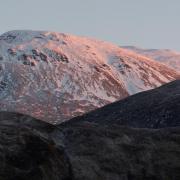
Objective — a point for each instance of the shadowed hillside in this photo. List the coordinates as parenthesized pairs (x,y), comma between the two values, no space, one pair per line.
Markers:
(151,109)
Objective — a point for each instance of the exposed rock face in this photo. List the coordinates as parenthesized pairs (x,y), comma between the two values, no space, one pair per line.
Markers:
(54,76)
(156,108)
(33,150)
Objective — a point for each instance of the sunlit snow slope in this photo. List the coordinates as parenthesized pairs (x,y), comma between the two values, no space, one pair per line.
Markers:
(169,57)
(55,76)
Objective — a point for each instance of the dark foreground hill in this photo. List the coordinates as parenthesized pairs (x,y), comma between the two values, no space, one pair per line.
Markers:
(34,150)
(156,108)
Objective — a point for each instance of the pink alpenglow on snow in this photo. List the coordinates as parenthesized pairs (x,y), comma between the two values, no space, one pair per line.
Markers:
(56,76)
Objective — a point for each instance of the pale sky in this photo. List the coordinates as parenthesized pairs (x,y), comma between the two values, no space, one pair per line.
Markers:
(143,23)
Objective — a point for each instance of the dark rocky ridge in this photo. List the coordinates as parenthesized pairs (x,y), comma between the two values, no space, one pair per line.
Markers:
(34,150)
(156,108)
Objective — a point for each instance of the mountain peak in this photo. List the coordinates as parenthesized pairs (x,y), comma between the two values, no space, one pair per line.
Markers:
(53,75)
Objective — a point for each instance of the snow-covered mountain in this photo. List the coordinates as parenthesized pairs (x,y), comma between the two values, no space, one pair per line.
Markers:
(55,76)
(166,56)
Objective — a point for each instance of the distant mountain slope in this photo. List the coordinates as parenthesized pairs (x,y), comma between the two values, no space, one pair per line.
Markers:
(34,150)
(155,108)
(166,56)
(55,76)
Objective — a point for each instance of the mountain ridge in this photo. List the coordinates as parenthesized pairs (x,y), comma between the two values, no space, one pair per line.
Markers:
(31,149)
(169,57)
(157,108)
(58,76)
